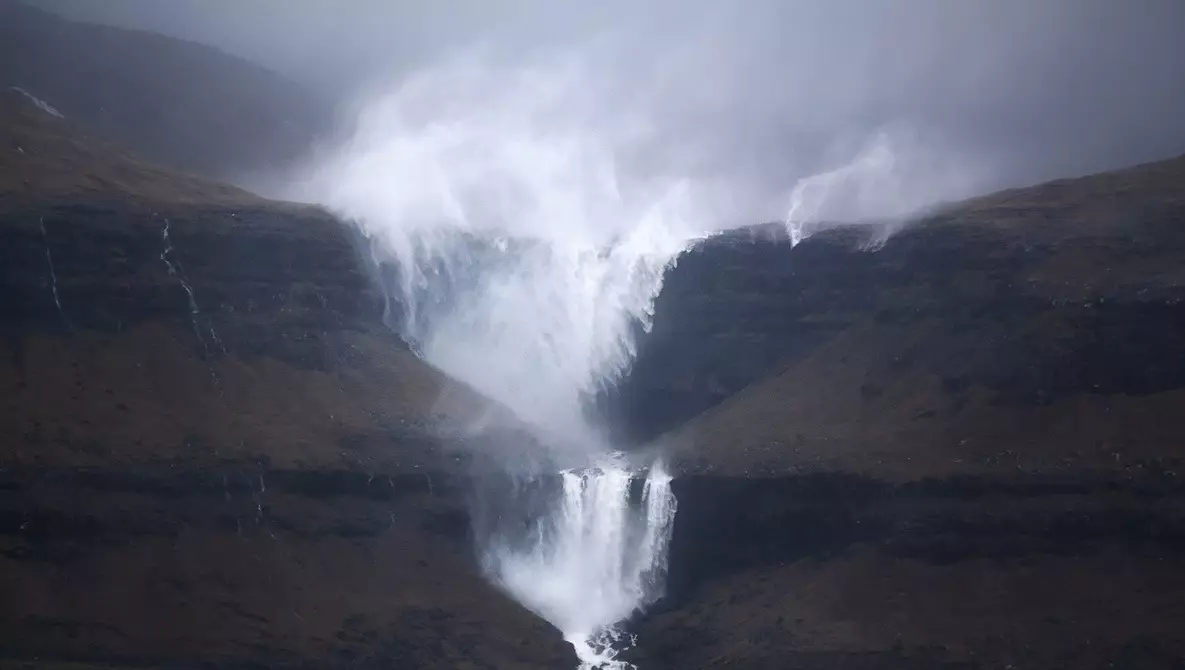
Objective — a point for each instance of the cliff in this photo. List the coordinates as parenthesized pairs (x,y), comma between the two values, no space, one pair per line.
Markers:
(214,450)
(958,449)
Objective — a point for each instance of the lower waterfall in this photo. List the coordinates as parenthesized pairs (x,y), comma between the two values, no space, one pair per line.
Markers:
(595,556)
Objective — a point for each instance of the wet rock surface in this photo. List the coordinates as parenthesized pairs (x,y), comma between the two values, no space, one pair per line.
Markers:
(837,570)
(1053,305)
(217,455)
(214,453)
(959,449)
(250,567)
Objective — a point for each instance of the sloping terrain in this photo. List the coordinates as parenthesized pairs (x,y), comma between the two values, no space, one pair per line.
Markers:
(47,157)
(962,449)
(181,104)
(1034,329)
(212,451)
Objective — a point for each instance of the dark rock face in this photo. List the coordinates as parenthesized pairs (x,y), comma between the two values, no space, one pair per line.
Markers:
(216,454)
(116,267)
(736,311)
(735,525)
(249,567)
(961,449)
(841,571)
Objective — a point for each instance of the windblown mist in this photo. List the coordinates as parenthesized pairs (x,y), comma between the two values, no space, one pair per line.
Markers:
(522,213)
(997,92)
(523,218)
(528,214)
(523,256)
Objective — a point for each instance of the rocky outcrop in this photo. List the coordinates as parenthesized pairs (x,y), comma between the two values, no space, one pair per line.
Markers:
(214,453)
(241,566)
(833,570)
(958,449)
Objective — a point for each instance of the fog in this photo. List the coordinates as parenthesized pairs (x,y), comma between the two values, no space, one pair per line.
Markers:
(984,94)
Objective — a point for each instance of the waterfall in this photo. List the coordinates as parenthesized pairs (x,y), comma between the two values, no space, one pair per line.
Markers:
(521,236)
(597,557)
(520,255)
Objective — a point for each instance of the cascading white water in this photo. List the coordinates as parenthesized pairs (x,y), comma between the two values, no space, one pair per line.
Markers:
(598,557)
(522,243)
(519,259)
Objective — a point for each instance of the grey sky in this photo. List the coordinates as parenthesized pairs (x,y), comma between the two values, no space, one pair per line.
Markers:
(1015,90)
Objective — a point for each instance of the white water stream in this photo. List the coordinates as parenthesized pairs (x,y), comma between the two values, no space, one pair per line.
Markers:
(518,259)
(596,559)
(521,245)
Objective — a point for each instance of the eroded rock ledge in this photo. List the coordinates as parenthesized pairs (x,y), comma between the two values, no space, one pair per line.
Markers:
(833,570)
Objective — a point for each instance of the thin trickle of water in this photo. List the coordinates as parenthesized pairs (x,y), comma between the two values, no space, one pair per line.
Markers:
(177,271)
(53,274)
(180,277)
(38,102)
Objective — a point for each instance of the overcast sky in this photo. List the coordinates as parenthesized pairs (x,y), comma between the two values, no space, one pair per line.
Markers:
(1010,91)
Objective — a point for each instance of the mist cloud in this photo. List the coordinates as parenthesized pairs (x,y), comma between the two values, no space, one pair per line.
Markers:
(996,93)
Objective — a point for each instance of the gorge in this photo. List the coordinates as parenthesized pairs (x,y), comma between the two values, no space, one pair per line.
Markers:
(247,433)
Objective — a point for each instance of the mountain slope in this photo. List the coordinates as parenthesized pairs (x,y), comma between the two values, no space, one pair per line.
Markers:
(212,451)
(180,104)
(963,449)
(46,156)
(1028,329)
